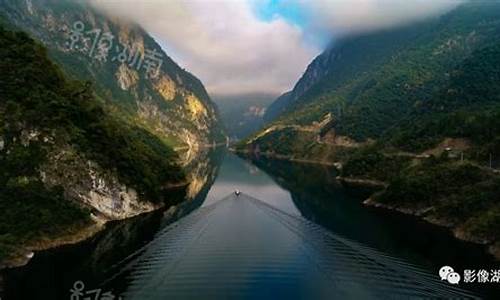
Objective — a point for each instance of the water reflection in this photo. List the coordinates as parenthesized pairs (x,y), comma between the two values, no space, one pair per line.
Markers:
(236,173)
(301,190)
(51,274)
(321,199)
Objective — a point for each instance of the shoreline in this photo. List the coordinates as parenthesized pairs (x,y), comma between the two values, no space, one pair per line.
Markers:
(27,251)
(337,165)
(490,247)
(79,234)
(362,183)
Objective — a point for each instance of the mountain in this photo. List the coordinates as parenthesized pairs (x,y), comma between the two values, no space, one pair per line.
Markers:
(243,114)
(414,110)
(131,73)
(68,162)
(85,139)
(465,107)
(342,62)
(370,84)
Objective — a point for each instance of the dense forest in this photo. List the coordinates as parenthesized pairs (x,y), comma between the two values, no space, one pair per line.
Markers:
(164,104)
(416,107)
(41,112)
(374,81)
(468,106)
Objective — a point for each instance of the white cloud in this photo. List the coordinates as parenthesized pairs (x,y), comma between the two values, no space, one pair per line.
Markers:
(223,42)
(234,52)
(342,17)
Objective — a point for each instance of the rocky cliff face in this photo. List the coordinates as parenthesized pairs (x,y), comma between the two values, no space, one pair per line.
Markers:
(314,73)
(130,71)
(84,180)
(164,99)
(74,155)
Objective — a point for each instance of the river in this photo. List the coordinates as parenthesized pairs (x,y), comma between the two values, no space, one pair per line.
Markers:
(112,259)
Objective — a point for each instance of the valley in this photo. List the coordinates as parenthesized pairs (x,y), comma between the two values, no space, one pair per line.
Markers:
(121,169)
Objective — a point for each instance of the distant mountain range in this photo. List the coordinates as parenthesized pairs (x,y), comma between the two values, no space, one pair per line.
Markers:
(243,115)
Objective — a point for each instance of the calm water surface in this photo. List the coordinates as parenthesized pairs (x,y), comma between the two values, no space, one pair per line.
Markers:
(217,244)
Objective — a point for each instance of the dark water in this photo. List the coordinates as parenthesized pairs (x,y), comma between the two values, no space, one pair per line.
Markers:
(210,245)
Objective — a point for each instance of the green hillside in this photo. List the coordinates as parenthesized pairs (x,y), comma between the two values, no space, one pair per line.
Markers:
(415,107)
(173,104)
(43,112)
(376,80)
(468,106)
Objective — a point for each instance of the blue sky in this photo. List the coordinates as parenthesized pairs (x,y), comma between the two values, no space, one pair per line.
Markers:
(294,13)
(290,11)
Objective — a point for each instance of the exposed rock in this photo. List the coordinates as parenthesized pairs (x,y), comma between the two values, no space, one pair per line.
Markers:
(29,6)
(414,212)
(357,182)
(195,106)
(126,77)
(189,106)
(86,182)
(188,120)
(27,136)
(166,87)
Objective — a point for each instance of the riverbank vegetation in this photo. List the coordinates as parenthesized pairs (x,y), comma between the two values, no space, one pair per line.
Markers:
(422,105)
(40,112)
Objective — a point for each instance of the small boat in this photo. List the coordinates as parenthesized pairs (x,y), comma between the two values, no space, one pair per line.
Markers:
(237,192)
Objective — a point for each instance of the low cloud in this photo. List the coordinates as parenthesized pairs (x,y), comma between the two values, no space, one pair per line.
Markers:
(233,51)
(223,42)
(341,17)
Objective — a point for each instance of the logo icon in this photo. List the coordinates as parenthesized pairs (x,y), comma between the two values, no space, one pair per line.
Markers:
(444,271)
(447,273)
(453,278)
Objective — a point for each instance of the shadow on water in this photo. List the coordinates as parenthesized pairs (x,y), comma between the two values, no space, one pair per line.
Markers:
(107,260)
(321,198)
(52,273)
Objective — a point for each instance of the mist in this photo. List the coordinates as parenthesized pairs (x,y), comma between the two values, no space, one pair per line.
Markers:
(341,17)
(233,50)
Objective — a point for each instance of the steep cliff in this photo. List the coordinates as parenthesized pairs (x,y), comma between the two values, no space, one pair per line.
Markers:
(372,82)
(75,154)
(131,73)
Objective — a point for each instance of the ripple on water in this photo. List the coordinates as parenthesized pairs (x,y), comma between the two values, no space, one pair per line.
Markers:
(241,247)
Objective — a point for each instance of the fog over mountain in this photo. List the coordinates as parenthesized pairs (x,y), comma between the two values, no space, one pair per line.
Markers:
(260,46)
(342,17)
